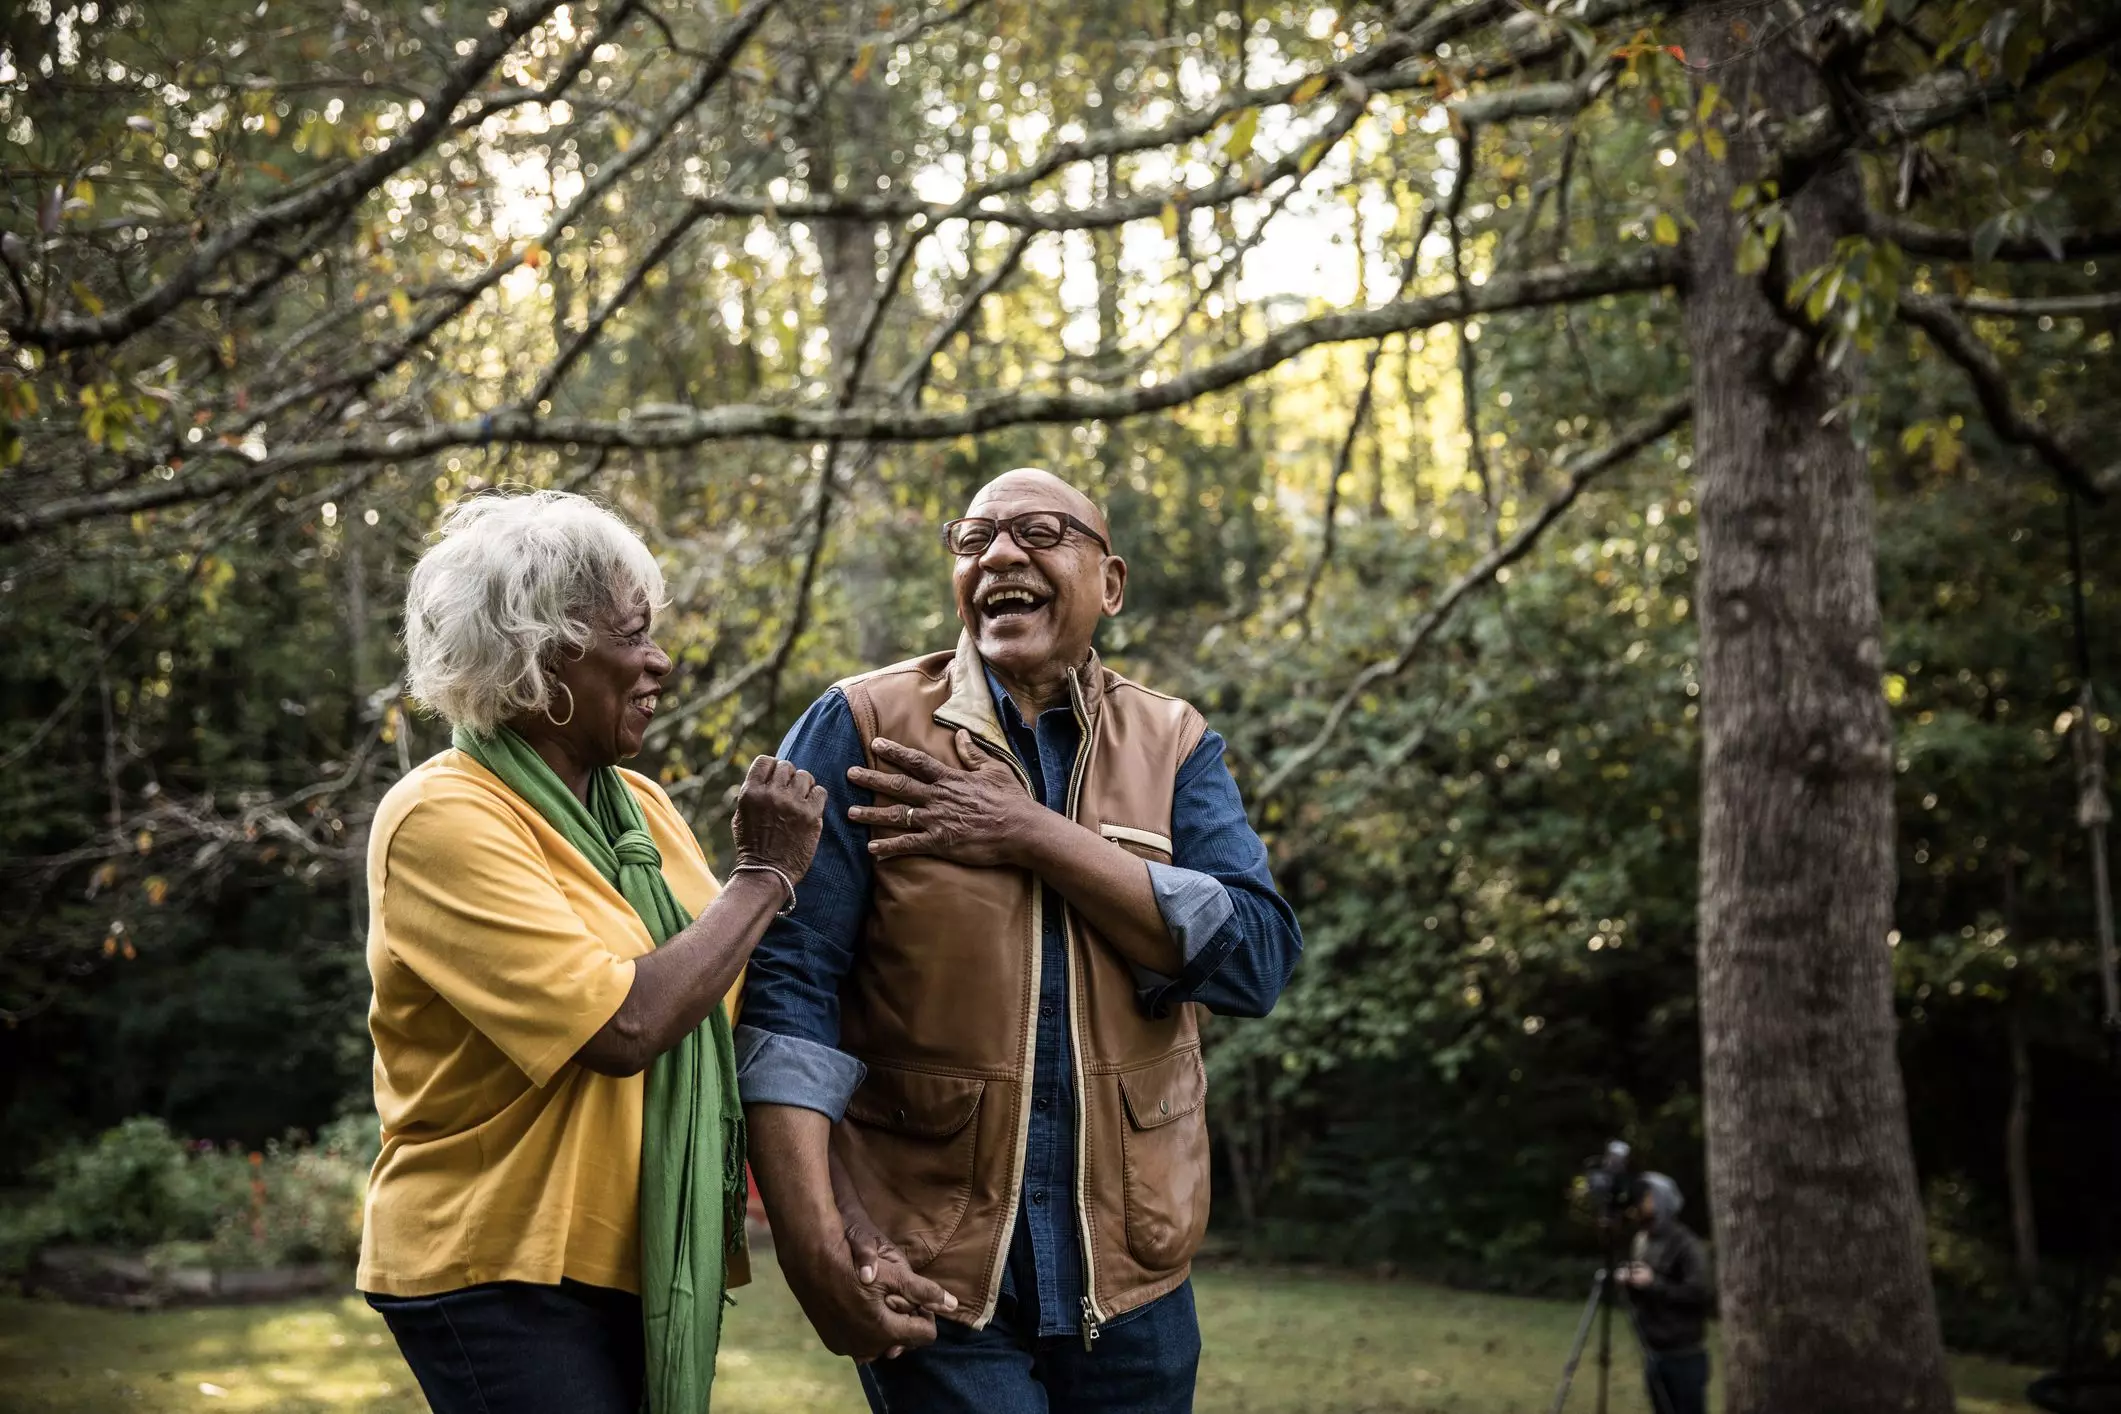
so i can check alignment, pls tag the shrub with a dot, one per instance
(140, 1186)
(302, 1204)
(135, 1185)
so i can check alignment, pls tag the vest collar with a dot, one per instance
(971, 701)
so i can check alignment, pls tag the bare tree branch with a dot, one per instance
(1468, 360)
(1581, 472)
(563, 78)
(1932, 101)
(1918, 239)
(906, 389)
(703, 81)
(2055, 306)
(1634, 272)
(1344, 454)
(343, 189)
(2013, 424)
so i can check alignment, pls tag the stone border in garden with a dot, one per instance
(107, 1276)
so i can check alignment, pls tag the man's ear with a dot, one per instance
(1115, 585)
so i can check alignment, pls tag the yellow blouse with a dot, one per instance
(496, 952)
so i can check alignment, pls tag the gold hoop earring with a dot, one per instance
(561, 721)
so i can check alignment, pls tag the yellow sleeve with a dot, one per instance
(473, 910)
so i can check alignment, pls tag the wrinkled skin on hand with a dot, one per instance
(780, 813)
(975, 812)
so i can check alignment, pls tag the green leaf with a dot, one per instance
(2044, 231)
(1988, 237)
(1665, 231)
(1823, 295)
(2019, 52)
(1712, 139)
(1753, 251)
(1309, 89)
(1239, 144)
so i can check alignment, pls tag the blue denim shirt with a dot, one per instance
(1237, 935)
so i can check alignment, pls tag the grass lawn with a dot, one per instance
(1276, 1342)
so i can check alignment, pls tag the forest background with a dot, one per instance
(1385, 333)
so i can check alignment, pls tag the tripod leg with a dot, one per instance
(1583, 1332)
(1605, 1346)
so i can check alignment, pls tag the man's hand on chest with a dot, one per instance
(975, 812)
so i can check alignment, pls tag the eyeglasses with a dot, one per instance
(1033, 530)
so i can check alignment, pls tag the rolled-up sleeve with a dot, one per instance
(788, 1031)
(773, 1069)
(1238, 935)
(1194, 905)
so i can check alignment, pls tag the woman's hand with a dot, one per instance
(779, 814)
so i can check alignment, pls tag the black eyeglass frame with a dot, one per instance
(1009, 524)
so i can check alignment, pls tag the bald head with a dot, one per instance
(1032, 613)
(1034, 486)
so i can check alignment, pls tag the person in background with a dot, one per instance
(973, 1051)
(1668, 1284)
(548, 1228)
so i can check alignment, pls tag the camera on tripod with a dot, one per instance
(1609, 1184)
(1608, 1189)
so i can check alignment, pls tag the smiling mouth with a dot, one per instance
(1011, 602)
(645, 703)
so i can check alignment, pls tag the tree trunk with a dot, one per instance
(1825, 1288)
(2017, 1163)
(2017, 1125)
(847, 160)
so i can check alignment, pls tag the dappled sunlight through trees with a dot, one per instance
(1448, 370)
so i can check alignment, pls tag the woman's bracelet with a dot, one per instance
(778, 873)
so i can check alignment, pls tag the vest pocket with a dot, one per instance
(1165, 1150)
(910, 1146)
(1146, 844)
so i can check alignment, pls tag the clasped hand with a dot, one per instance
(976, 812)
(865, 1299)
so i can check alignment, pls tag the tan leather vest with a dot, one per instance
(942, 1006)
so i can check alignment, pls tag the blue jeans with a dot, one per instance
(1143, 1363)
(514, 1347)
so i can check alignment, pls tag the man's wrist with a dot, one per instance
(1037, 838)
(815, 1245)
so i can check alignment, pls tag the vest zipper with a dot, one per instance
(1092, 1314)
(1023, 1123)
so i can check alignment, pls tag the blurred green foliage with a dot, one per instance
(1494, 858)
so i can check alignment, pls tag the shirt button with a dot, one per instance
(1046, 1011)
(1040, 1104)
(1038, 1198)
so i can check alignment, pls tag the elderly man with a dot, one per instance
(971, 1056)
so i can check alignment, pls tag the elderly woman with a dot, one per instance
(559, 1199)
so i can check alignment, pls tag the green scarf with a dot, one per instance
(692, 1126)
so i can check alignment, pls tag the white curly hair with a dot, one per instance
(513, 579)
